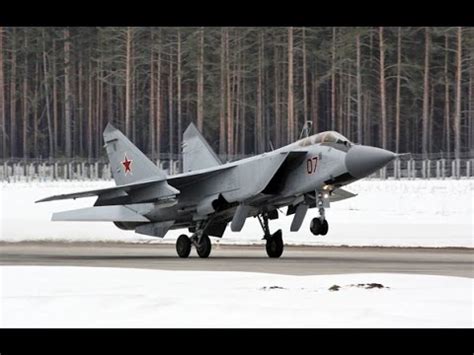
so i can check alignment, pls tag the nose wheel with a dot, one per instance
(317, 227)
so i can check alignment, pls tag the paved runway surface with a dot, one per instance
(296, 260)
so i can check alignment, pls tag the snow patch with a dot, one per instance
(426, 213)
(45, 296)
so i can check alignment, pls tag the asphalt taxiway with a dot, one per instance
(296, 260)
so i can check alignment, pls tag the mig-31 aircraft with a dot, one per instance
(208, 194)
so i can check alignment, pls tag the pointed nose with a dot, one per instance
(362, 160)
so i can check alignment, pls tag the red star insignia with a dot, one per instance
(127, 165)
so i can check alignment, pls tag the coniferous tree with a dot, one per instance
(243, 87)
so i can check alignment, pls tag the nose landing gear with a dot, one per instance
(319, 225)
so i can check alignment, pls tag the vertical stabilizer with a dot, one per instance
(197, 153)
(128, 163)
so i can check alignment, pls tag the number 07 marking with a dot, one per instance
(311, 165)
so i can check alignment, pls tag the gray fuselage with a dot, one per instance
(248, 181)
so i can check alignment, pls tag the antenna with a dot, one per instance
(271, 144)
(306, 129)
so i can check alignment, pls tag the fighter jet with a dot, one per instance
(210, 194)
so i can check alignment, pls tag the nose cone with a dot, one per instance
(363, 160)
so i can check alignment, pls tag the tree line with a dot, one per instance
(407, 89)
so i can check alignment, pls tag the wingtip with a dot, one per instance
(47, 199)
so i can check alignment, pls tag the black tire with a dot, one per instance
(274, 245)
(204, 247)
(183, 246)
(315, 226)
(324, 228)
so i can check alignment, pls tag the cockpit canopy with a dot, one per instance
(325, 137)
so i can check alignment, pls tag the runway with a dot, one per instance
(296, 260)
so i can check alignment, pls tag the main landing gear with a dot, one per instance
(274, 245)
(199, 239)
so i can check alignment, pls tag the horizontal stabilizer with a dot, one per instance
(101, 214)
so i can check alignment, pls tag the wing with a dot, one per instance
(156, 188)
(185, 179)
(144, 191)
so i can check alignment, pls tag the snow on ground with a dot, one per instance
(45, 296)
(431, 213)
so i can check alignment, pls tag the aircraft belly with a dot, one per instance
(157, 229)
(163, 214)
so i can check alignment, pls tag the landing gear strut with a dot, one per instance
(274, 245)
(319, 225)
(199, 239)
